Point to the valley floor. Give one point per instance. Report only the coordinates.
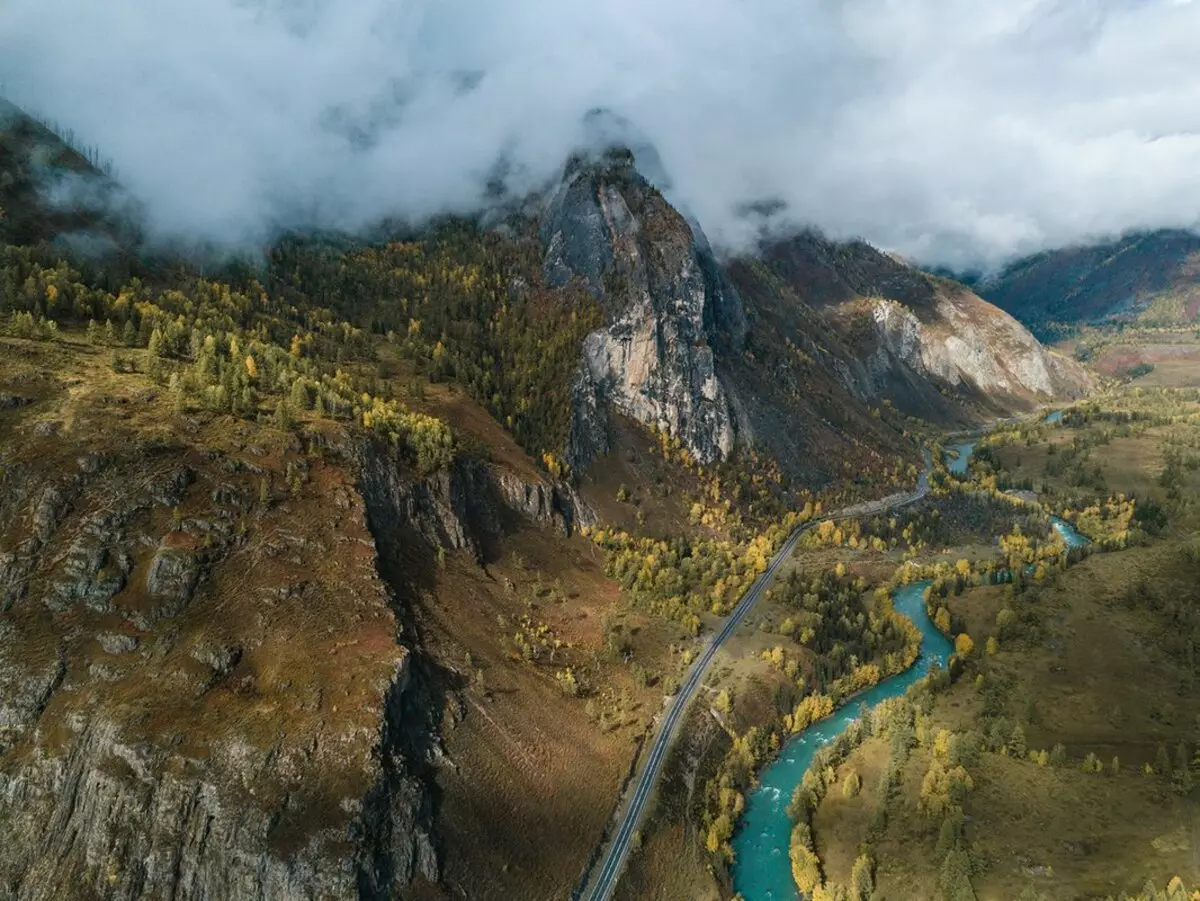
(1074, 713)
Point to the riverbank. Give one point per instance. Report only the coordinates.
(1062, 716)
(762, 869)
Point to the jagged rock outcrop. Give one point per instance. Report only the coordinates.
(171, 580)
(540, 501)
(95, 569)
(667, 303)
(463, 506)
(670, 354)
(210, 686)
(122, 820)
(25, 690)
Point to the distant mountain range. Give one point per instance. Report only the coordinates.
(1149, 277)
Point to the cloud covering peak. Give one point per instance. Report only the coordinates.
(954, 132)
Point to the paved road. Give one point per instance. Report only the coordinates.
(613, 861)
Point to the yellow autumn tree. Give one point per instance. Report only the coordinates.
(963, 645)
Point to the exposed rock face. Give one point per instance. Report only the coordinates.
(668, 305)
(670, 353)
(25, 691)
(466, 505)
(465, 508)
(172, 721)
(557, 505)
(95, 569)
(449, 509)
(394, 829)
(209, 686)
(13, 401)
(975, 343)
(172, 579)
(112, 820)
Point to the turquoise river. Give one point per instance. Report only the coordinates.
(761, 868)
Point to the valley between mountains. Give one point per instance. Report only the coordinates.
(370, 567)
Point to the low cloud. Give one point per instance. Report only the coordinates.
(957, 133)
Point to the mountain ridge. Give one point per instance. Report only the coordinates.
(1147, 276)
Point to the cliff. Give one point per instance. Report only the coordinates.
(211, 685)
(666, 303)
(784, 352)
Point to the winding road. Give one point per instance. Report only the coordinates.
(599, 883)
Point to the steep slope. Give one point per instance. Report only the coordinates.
(1151, 276)
(680, 352)
(785, 354)
(666, 305)
(176, 624)
(243, 632)
(232, 654)
(928, 345)
(50, 190)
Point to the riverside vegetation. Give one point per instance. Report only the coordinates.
(937, 794)
(985, 782)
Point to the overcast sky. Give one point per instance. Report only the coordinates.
(954, 131)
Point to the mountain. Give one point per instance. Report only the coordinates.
(783, 352)
(927, 344)
(1150, 277)
(360, 570)
(49, 190)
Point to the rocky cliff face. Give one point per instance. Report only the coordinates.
(970, 344)
(465, 506)
(157, 739)
(680, 353)
(209, 688)
(667, 303)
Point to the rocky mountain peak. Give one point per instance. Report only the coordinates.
(667, 305)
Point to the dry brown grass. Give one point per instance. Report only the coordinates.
(671, 866)
(655, 488)
(313, 663)
(531, 775)
(535, 777)
(1131, 465)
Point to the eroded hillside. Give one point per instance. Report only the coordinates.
(199, 660)
(928, 345)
